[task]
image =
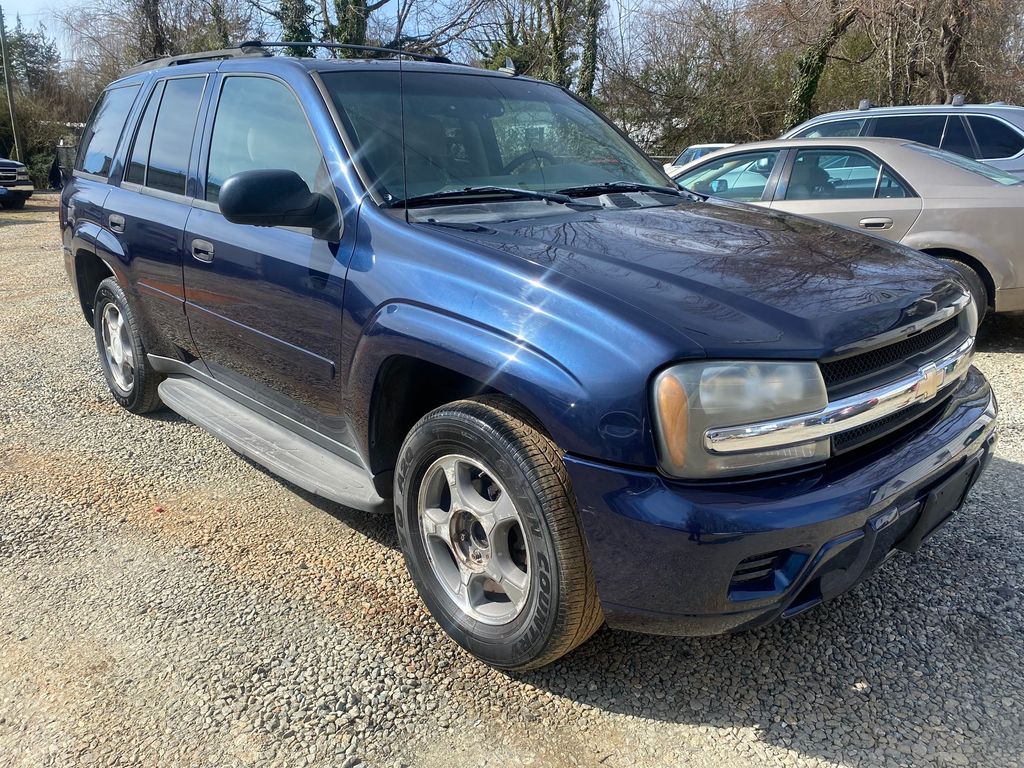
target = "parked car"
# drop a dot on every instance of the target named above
(691, 153)
(991, 133)
(15, 185)
(968, 214)
(584, 394)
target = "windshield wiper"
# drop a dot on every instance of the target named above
(630, 186)
(473, 193)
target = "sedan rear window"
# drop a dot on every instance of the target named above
(990, 173)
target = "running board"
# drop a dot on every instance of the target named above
(284, 453)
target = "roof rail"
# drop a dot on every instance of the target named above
(259, 45)
(259, 48)
(189, 58)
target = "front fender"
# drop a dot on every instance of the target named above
(581, 420)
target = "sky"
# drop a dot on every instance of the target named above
(33, 11)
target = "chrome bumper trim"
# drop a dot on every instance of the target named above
(848, 413)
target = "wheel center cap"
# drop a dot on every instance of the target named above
(469, 540)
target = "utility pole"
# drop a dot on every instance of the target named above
(7, 85)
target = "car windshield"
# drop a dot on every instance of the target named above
(989, 172)
(465, 132)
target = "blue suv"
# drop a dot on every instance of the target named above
(466, 298)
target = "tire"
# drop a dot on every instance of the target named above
(17, 204)
(975, 284)
(133, 382)
(507, 470)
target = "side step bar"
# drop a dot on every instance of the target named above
(284, 453)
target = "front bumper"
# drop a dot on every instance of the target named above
(14, 190)
(671, 558)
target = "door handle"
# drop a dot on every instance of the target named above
(202, 250)
(880, 223)
(116, 223)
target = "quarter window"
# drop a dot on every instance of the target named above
(260, 125)
(926, 129)
(995, 138)
(841, 175)
(736, 177)
(833, 129)
(99, 142)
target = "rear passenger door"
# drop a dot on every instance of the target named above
(850, 188)
(148, 210)
(265, 303)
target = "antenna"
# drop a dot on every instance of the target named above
(509, 68)
(865, 104)
(958, 100)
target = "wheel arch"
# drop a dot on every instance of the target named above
(411, 359)
(90, 271)
(972, 262)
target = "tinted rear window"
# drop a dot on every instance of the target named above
(995, 138)
(172, 136)
(926, 129)
(99, 141)
(956, 138)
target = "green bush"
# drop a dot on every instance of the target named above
(39, 169)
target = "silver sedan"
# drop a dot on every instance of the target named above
(954, 208)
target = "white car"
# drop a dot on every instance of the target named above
(691, 153)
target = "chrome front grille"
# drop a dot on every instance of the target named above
(8, 176)
(840, 374)
(922, 382)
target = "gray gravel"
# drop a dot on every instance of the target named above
(165, 602)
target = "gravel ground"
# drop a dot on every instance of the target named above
(165, 602)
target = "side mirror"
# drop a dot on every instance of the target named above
(271, 198)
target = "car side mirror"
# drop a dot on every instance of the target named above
(273, 197)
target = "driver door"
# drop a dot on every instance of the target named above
(748, 177)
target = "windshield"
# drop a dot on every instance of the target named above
(990, 173)
(465, 131)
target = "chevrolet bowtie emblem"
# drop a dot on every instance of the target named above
(931, 380)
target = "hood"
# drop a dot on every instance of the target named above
(734, 278)
(5, 163)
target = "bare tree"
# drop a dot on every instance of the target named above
(811, 64)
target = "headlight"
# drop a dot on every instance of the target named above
(691, 398)
(22, 173)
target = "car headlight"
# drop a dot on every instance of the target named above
(22, 173)
(691, 398)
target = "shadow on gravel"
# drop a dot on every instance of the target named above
(39, 204)
(1002, 333)
(378, 527)
(930, 644)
